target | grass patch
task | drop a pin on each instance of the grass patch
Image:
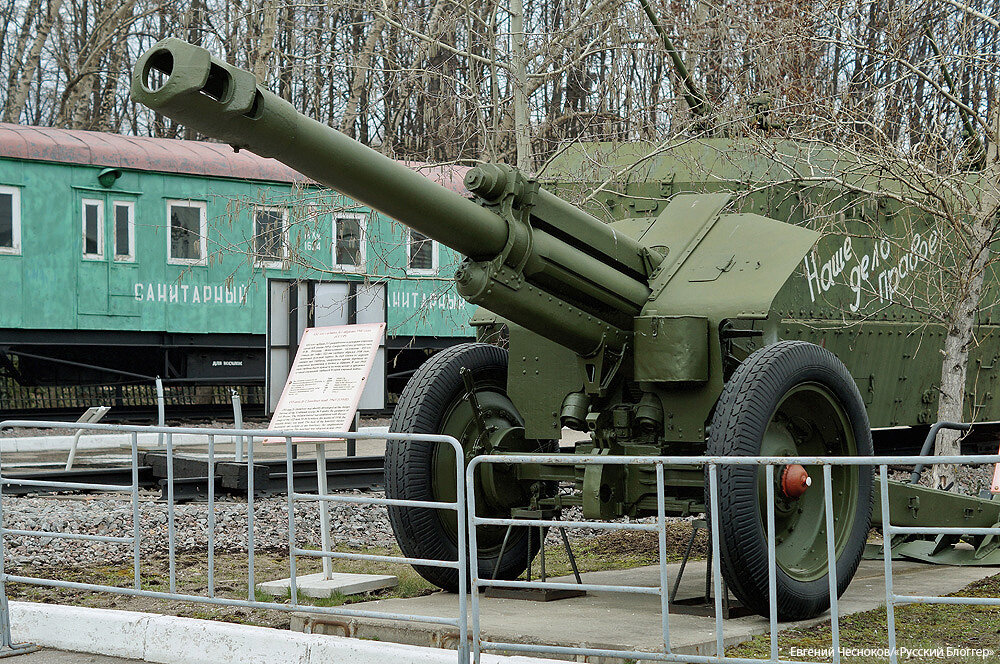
(622, 549)
(927, 628)
(191, 578)
(610, 550)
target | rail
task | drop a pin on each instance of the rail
(712, 464)
(460, 622)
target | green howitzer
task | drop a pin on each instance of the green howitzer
(637, 332)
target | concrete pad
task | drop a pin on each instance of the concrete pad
(316, 585)
(172, 640)
(624, 621)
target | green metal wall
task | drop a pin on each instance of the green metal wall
(51, 286)
(868, 291)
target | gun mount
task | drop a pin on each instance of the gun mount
(641, 332)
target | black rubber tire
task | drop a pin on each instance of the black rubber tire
(742, 414)
(425, 400)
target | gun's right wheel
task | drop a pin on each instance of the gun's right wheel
(434, 401)
(791, 398)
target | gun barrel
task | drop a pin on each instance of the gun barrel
(185, 83)
(532, 258)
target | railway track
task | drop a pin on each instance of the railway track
(192, 476)
(136, 414)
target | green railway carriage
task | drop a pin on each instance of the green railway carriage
(125, 258)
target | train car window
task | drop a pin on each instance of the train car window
(124, 231)
(349, 246)
(421, 253)
(93, 229)
(186, 242)
(10, 220)
(269, 228)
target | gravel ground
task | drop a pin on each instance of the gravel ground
(355, 526)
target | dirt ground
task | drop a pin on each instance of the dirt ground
(615, 549)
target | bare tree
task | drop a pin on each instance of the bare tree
(905, 92)
(25, 63)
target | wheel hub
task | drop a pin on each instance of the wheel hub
(800, 530)
(795, 481)
(499, 482)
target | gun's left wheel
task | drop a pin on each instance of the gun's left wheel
(434, 401)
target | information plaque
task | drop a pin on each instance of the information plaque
(327, 378)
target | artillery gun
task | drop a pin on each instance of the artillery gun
(636, 332)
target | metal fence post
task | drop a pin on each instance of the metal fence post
(713, 490)
(293, 590)
(463, 559)
(324, 509)
(831, 561)
(238, 421)
(890, 613)
(473, 546)
(251, 586)
(661, 527)
(7, 645)
(210, 526)
(137, 580)
(161, 408)
(171, 533)
(772, 564)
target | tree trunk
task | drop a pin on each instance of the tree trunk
(361, 67)
(268, 29)
(77, 100)
(960, 338)
(519, 56)
(21, 74)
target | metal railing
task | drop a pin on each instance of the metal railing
(712, 463)
(460, 622)
(469, 580)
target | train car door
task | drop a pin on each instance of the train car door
(108, 267)
(350, 303)
(294, 305)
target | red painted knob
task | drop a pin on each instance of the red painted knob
(795, 480)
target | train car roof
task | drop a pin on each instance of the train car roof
(168, 155)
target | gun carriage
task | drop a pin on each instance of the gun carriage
(632, 332)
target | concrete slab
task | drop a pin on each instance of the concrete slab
(147, 637)
(623, 621)
(47, 656)
(91, 441)
(113, 449)
(316, 585)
